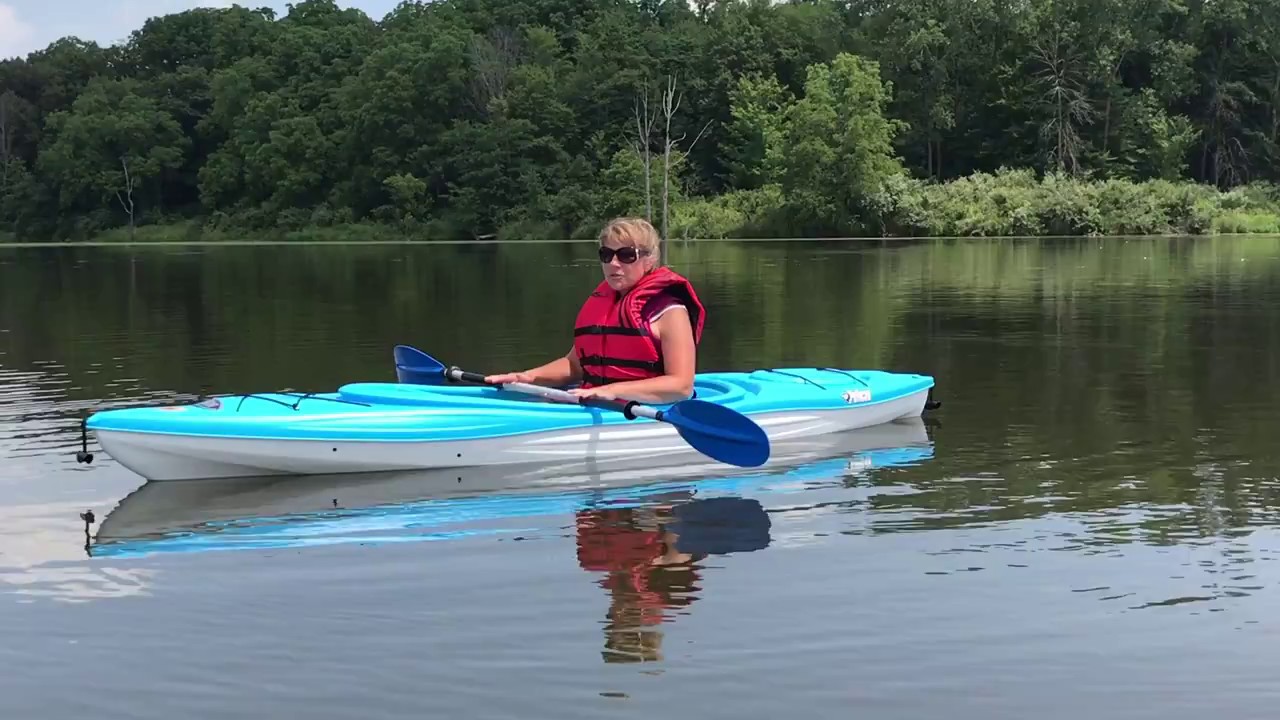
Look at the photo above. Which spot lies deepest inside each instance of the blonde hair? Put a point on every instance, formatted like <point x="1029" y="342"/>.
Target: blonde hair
<point x="634" y="231"/>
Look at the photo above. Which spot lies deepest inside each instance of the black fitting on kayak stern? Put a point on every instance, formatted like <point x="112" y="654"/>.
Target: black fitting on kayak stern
<point x="84" y="456"/>
<point x="930" y="403"/>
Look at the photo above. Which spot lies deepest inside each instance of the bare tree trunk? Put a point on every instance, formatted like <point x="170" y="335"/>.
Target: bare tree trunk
<point x="1106" y="121"/>
<point x="644" y="146"/>
<point x="1106" y="126"/>
<point x="1065" y="100"/>
<point x="6" y="140"/>
<point x="126" y="201"/>
<point x="1227" y="155"/>
<point x="493" y="58"/>
<point x="1275" y="102"/>
<point x="671" y="103"/>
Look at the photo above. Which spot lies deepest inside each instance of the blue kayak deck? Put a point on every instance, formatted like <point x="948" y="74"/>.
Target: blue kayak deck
<point x="407" y="412"/>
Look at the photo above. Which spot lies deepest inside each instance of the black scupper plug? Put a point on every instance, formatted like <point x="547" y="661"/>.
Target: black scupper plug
<point x="930" y="403"/>
<point x="84" y="456"/>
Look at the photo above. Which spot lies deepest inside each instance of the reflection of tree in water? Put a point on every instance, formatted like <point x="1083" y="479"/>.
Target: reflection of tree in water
<point x="649" y="557"/>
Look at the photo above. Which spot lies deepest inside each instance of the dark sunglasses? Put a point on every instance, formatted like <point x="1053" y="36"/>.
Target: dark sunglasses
<point x="626" y="255"/>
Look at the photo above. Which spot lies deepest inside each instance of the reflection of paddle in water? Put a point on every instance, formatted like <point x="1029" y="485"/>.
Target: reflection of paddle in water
<point x="649" y="558"/>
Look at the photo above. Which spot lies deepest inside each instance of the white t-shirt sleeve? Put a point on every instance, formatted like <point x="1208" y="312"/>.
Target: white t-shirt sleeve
<point x="665" y="310"/>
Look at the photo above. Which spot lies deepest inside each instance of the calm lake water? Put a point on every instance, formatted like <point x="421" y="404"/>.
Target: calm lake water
<point x="1087" y="525"/>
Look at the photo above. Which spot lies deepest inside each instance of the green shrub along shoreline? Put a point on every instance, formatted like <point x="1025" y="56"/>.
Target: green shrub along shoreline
<point x="527" y="119"/>
<point x="1010" y="203"/>
<point x="1003" y="204"/>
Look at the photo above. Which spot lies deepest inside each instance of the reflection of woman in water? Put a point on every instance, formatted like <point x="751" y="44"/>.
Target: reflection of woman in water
<point x="649" y="558"/>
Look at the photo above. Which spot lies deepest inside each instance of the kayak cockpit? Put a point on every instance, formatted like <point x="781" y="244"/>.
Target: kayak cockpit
<point x="721" y="387"/>
<point x="384" y="393"/>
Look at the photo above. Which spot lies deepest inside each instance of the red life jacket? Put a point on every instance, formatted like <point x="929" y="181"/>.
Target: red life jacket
<point x="614" y="340"/>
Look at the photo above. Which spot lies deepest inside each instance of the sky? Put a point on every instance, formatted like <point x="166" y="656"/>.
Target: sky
<point x="27" y="25"/>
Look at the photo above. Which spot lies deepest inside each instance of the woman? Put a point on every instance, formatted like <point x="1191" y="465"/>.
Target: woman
<point x="635" y="337"/>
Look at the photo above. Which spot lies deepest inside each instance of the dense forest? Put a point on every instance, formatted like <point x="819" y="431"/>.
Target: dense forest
<point x="542" y="118"/>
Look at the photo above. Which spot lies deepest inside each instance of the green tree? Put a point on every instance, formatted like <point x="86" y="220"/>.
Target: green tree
<point x="754" y="146"/>
<point x="839" y="145"/>
<point x="114" y="147"/>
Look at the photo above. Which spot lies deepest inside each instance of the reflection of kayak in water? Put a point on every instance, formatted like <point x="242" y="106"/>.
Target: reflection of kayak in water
<point x="422" y="505"/>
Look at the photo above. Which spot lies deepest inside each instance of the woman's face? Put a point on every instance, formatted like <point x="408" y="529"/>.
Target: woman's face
<point x="622" y="276"/>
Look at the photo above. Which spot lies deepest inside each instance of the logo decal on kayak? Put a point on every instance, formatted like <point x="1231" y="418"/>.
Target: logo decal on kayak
<point x="857" y="396"/>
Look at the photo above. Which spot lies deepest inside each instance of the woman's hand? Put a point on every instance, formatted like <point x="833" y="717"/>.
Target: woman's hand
<point x="519" y="377"/>
<point x="560" y="371"/>
<point x="603" y="392"/>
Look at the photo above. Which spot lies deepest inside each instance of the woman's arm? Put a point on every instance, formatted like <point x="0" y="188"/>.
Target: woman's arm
<point x="674" y="334"/>
<point x="564" y="370"/>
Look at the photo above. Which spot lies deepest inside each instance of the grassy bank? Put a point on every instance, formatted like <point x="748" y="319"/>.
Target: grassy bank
<point x="1009" y="203"/>
<point x="1006" y="203"/>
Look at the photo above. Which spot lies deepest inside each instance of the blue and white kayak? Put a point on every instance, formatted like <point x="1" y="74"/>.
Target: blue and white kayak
<point x="384" y="426"/>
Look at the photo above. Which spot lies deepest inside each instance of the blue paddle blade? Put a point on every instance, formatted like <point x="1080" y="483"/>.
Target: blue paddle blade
<point x="719" y="432"/>
<point x="414" y="367"/>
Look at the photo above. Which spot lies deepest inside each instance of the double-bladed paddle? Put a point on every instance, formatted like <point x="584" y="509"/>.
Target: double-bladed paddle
<point x="716" y="431"/>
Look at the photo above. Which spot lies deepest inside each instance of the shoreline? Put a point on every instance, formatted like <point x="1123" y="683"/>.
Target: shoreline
<point x="1005" y="205"/>
<point x="888" y="240"/>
